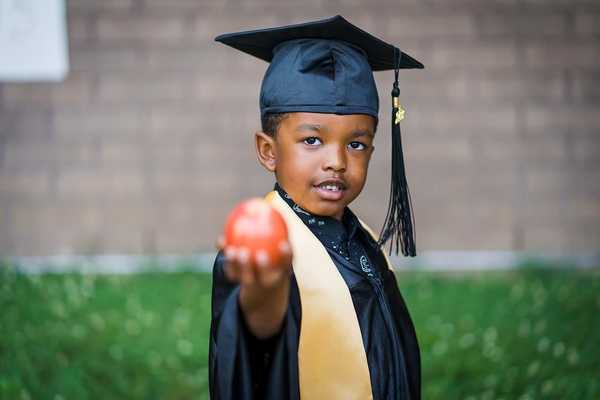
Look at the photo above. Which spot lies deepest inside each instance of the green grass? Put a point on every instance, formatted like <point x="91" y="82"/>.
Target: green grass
<point x="526" y="334"/>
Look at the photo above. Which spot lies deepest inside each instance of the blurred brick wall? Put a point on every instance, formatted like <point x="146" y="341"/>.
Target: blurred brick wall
<point x="149" y="142"/>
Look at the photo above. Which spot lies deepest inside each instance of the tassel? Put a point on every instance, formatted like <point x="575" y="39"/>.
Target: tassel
<point x="399" y="220"/>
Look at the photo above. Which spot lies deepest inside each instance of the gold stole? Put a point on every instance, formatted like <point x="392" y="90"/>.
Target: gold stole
<point x="332" y="363"/>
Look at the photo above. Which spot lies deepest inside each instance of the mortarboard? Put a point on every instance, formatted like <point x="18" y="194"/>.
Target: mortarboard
<point x="326" y="66"/>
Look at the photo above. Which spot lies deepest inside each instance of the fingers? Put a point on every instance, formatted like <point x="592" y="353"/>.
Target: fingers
<point x="238" y="266"/>
<point x="247" y="276"/>
<point x="230" y="267"/>
<point x="220" y="242"/>
<point x="269" y="275"/>
<point x="284" y="247"/>
<point x="286" y="250"/>
<point x="242" y="267"/>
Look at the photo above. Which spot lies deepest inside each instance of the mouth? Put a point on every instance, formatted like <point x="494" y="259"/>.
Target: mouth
<point x="331" y="189"/>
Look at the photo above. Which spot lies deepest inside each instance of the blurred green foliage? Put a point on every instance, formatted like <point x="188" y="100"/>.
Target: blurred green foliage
<point x="530" y="333"/>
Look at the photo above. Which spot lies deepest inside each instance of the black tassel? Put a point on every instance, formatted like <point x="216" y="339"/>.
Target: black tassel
<point x="399" y="221"/>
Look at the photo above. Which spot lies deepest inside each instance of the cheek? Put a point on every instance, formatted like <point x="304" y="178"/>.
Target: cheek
<point x="361" y="165"/>
<point x="359" y="174"/>
<point x="297" y="166"/>
<point x="302" y="161"/>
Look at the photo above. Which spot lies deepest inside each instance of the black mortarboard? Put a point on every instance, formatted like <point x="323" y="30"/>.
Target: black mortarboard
<point x="327" y="66"/>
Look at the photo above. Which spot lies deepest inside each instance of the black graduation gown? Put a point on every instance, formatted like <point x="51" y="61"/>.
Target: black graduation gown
<point x="243" y="367"/>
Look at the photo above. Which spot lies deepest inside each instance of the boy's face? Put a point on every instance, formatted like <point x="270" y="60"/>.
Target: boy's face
<point x="321" y="160"/>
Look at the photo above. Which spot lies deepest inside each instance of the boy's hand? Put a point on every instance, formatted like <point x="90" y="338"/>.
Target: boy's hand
<point x="264" y="289"/>
<point x="239" y="268"/>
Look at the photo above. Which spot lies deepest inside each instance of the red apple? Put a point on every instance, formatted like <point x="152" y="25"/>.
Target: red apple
<point x="257" y="232"/>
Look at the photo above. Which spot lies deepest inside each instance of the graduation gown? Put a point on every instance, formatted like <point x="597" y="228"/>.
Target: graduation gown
<point x="244" y="367"/>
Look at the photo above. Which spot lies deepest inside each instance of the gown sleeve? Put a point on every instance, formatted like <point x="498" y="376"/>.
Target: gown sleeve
<point x="242" y="366"/>
<point x="407" y="332"/>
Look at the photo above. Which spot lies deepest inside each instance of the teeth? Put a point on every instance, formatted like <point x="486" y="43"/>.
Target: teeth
<point x="333" y="188"/>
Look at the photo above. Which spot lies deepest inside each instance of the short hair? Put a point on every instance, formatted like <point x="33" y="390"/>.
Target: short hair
<point x="270" y="122"/>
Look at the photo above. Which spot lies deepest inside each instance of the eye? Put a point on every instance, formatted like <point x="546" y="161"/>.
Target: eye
<point x="357" y="145"/>
<point x="312" y="141"/>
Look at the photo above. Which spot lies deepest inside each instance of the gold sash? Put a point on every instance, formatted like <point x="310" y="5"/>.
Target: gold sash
<point x="332" y="363"/>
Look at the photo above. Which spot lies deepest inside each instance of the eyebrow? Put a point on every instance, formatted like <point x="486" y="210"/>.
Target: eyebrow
<point x="308" y="127"/>
<point x="318" y="128"/>
<point x="360" y="132"/>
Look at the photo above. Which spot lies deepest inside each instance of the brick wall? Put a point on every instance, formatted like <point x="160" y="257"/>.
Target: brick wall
<point x="148" y="143"/>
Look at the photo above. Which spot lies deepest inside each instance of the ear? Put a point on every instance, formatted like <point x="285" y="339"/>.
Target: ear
<point x="265" y="151"/>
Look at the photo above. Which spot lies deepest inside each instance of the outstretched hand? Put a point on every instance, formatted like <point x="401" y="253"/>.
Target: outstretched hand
<point x="259" y="274"/>
<point x="264" y="288"/>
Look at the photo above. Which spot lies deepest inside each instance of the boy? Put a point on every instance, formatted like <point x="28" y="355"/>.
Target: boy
<point x="330" y="323"/>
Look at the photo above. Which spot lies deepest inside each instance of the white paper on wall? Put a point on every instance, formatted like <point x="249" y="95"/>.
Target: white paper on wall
<point x="33" y="40"/>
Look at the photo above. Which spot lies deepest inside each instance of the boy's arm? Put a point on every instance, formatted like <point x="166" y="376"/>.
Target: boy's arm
<point x="236" y="353"/>
<point x="264" y="291"/>
<point x="264" y="308"/>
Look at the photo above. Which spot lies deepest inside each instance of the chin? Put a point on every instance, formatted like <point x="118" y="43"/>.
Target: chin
<point x="329" y="211"/>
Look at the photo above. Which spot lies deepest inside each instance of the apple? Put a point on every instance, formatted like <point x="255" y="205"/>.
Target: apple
<point x="257" y="232"/>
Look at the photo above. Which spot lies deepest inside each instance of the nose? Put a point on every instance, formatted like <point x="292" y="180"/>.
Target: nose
<point x="335" y="159"/>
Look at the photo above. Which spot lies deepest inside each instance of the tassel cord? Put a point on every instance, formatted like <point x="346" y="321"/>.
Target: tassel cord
<point x="399" y="222"/>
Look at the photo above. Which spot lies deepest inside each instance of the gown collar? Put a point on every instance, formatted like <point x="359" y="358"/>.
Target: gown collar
<point x="333" y="233"/>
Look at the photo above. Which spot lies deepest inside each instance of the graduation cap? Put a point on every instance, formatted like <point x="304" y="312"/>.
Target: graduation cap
<point x="326" y="66"/>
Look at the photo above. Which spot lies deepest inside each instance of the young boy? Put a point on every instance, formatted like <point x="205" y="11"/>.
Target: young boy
<point x="330" y="323"/>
